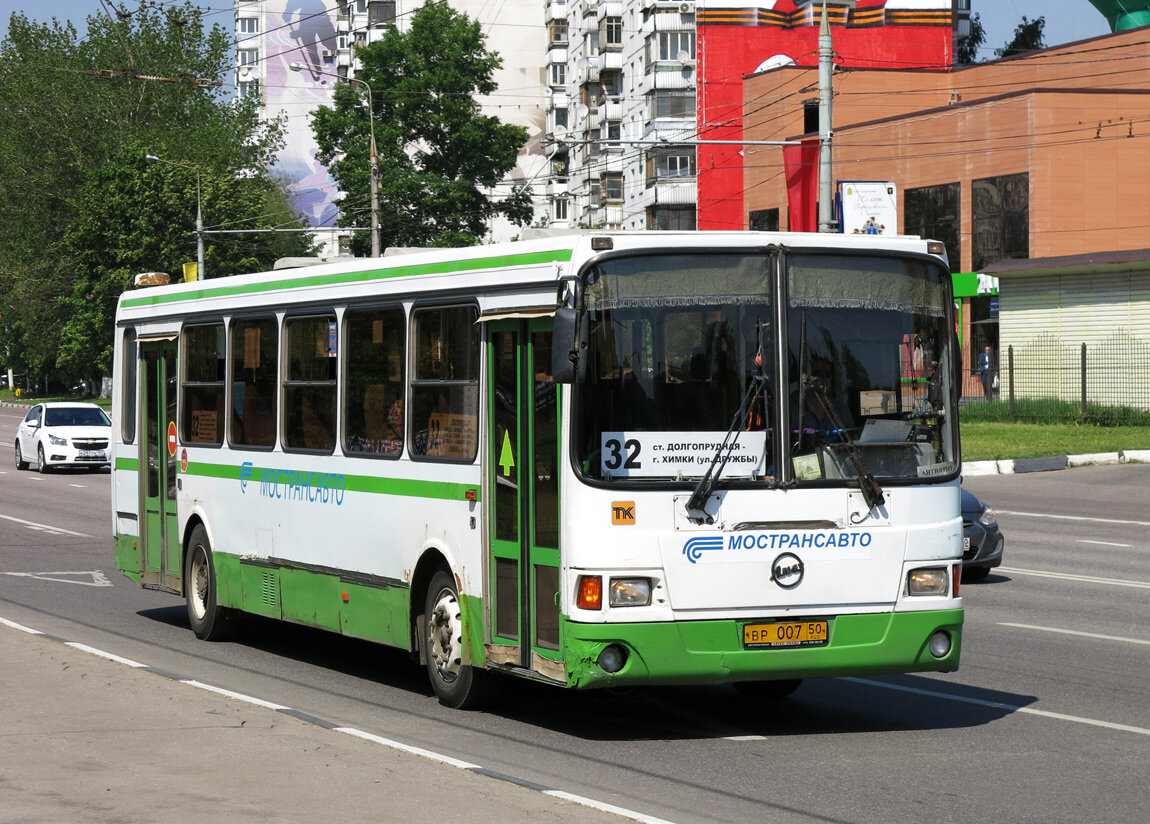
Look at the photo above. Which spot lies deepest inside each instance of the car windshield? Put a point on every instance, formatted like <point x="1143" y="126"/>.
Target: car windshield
<point x="76" y="416"/>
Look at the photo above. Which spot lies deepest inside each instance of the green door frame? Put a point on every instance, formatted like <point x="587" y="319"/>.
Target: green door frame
<point x="160" y="555"/>
<point x="523" y="472"/>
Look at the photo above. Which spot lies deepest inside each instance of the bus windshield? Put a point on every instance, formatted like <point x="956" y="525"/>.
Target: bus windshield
<point x="684" y="372"/>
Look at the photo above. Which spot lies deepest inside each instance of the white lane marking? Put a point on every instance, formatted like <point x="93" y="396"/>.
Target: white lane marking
<point x="1104" y="543"/>
<point x="98" y="578"/>
<point x="396" y="745"/>
<point x="101" y="654"/>
<point x="1066" y="576"/>
<point x="998" y="705"/>
<point x="57" y="530"/>
<point x="1072" y="518"/>
<point x="607" y="808"/>
<point x="20" y="627"/>
<point x="79" y="486"/>
<point x="1077" y="632"/>
<point x="239" y="696"/>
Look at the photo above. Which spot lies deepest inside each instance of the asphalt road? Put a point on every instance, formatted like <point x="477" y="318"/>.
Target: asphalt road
<point x="1047" y="721"/>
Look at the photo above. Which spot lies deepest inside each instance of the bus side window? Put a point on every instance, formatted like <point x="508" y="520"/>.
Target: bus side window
<point x="374" y="381"/>
<point x="255" y="348"/>
<point x="445" y="386"/>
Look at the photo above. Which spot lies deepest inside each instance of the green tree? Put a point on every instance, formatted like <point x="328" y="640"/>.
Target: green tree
<point x="967" y="51"/>
<point x="84" y="211"/>
<point x="1028" y="37"/>
<point x="437" y="151"/>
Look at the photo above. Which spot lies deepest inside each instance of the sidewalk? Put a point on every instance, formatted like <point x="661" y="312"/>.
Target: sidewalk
<point x="86" y="739"/>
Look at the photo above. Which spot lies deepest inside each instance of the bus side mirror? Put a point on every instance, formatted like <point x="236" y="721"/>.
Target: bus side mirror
<point x="567" y="363"/>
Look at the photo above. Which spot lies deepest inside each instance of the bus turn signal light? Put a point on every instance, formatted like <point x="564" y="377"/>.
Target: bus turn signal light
<point x="590" y="592"/>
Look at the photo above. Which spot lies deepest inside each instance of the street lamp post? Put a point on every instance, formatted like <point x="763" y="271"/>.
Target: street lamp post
<point x="375" y="244"/>
<point x="199" y="212"/>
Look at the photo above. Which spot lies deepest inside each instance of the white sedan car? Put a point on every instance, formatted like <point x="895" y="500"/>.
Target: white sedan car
<point x="64" y="434"/>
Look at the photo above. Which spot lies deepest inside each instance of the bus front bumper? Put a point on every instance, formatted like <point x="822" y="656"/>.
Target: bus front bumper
<point x="697" y="652"/>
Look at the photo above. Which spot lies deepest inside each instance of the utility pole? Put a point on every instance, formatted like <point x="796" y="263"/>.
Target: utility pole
<point x="827" y="223"/>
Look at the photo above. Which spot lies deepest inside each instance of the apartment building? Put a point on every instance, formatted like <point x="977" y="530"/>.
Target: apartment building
<point x="319" y="37"/>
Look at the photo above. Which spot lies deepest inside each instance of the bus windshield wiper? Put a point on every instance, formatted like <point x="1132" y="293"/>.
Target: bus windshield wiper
<point x="697" y="503"/>
<point x="871" y="491"/>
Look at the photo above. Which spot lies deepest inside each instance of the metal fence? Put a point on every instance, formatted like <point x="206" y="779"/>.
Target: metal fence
<point x="1049" y="379"/>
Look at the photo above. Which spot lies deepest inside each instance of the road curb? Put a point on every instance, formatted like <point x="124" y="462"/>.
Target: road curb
<point x="1023" y="465"/>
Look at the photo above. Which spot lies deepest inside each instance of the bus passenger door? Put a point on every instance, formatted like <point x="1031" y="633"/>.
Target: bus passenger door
<point x="159" y="539"/>
<point x="523" y="476"/>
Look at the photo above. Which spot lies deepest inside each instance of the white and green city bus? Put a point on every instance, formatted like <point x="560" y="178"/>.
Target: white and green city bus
<point x="590" y="460"/>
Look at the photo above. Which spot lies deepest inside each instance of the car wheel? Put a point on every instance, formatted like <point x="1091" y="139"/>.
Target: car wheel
<point x="41" y="461"/>
<point x="20" y="462"/>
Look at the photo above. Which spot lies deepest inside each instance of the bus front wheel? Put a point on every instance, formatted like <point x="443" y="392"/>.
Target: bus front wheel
<point x="210" y="621"/>
<point x="456" y="684"/>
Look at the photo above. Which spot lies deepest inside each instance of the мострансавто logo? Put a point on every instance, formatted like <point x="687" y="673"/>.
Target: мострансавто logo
<point x="695" y="548"/>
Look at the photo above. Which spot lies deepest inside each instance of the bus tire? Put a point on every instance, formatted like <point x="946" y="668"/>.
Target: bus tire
<point x="768" y="690"/>
<point x="456" y="685"/>
<point x="210" y="621"/>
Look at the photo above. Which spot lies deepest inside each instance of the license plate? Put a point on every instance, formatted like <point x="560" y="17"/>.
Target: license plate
<point x="785" y="634"/>
<point x="91" y="453"/>
<point x="965" y="542"/>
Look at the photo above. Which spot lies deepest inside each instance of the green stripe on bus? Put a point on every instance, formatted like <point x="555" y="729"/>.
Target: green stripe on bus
<point x="128" y="464"/>
<point x="442" y="267"/>
<point x="370" y="484"/>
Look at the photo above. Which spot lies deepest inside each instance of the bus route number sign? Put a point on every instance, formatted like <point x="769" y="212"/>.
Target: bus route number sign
<point x="785" y="634"/>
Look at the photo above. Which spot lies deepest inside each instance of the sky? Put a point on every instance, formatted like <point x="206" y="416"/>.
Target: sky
<point x="1066" y="20"/>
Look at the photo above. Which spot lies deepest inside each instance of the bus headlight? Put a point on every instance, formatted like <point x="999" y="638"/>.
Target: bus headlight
<point x="929" y="581"/>
<point x="630" y="592"/>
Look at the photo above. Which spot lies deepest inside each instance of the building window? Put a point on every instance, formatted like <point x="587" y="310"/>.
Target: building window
<point x="671" y="45"/>
<point x="763" y="220"/>
<point x="612" y="130"/>
<point x="248" y="88"/>
<point x="560" y="209"/>
<point x="380" y="12"/>
<point x="671" y="218"/>
<point x="670" y="161"/>
<point x="560" y="116"/>
<point x="935" y="212"/>
<point x="248" y="57"/>
<point x="557" y="74"/>
<point x="1001" y="219"/>
<point x="666" y="103"/>
<point x="810" y="116"/>
<point x="612" y="31"/>
<point x="557" y="32"/>
<point x="248" y="25"/>
<point x="613" y="187"/>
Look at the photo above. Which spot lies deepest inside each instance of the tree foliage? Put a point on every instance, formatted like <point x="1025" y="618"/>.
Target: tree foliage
<point x="967" y="51"/>
<point x="1028" y="37"/>
<point x="436" y="149"/>
<point x="84" y="211"/>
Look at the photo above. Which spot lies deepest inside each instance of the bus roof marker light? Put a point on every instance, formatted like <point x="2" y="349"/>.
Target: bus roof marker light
<point x="602" y="244"/>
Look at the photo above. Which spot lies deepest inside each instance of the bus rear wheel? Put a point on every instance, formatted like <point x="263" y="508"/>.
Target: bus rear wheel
<point x="456" y="684"/>
<point x="210" y="621"/>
